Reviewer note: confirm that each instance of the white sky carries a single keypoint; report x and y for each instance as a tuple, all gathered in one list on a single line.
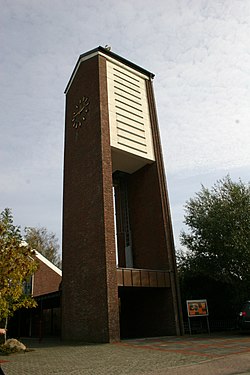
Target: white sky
[(199, 51)]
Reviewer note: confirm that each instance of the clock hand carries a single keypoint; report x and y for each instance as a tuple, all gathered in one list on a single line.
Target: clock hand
[(78, 113)]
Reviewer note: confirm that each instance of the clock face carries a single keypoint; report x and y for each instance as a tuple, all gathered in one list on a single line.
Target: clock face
[(81, 110)]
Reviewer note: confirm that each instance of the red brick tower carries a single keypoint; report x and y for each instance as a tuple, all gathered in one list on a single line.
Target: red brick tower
[(119, 271)]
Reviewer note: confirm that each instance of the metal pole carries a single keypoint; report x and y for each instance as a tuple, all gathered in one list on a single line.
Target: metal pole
[(189, 326), (208, 328)]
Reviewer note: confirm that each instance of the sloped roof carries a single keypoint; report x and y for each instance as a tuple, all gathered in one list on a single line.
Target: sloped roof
[(48, 263), (104, 51)]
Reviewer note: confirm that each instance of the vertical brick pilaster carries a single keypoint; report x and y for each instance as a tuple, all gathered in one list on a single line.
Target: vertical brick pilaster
[(89, 290)]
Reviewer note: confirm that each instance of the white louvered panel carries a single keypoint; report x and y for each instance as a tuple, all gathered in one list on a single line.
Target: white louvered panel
[(134, 130), (126, 74), (128, 111), (132, 147), (126, 91), (133, 137), (121, 120), (126, 85), (128, 103)]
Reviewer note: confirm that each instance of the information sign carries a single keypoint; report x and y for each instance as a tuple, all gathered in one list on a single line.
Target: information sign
[(197, 308)]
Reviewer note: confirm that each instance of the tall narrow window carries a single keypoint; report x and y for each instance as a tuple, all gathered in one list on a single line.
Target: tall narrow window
[(123, 230), (116, 244)]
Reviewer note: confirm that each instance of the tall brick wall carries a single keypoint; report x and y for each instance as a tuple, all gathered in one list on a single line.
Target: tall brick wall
[(89, 291), (146, 218)]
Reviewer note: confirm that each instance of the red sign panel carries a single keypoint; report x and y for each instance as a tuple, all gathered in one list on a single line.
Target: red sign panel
[(197, 308)]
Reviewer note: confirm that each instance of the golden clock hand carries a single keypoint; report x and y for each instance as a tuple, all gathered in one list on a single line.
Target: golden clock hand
[(78, 113)]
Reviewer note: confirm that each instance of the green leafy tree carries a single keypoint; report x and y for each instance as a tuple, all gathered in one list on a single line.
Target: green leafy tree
[(44, 242), (218, 242), (17, 265)]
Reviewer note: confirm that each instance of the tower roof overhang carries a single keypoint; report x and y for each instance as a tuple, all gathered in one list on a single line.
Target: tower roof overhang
[(110, 55)]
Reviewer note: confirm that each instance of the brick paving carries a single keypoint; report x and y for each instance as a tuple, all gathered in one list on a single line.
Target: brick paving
[(215, 354), (210, 346)]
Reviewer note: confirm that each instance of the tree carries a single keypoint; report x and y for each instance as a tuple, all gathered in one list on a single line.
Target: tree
[(17, 265), (44, 242), (218, 240)]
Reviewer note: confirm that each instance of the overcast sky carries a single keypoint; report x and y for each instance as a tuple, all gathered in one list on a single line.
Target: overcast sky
[(199, 51)]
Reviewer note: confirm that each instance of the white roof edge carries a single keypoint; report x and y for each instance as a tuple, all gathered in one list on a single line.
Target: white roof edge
[(124, 66), (48, 263)]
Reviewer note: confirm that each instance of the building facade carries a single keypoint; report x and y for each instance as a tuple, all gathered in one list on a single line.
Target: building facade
[(45, 319), (119, 270)]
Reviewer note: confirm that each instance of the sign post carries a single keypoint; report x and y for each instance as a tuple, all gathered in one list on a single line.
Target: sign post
[(197, 308)]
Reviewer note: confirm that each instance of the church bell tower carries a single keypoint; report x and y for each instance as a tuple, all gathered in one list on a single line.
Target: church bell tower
[(119, 271)]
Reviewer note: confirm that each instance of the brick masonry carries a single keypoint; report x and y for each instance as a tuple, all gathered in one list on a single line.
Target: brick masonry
[(89, 289), (45, 280), (90, 308)]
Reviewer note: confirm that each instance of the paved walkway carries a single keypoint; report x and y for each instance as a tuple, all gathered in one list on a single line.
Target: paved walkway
[(203, 354)]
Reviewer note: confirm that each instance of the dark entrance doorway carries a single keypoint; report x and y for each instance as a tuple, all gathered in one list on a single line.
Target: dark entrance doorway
[(142, 311)]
